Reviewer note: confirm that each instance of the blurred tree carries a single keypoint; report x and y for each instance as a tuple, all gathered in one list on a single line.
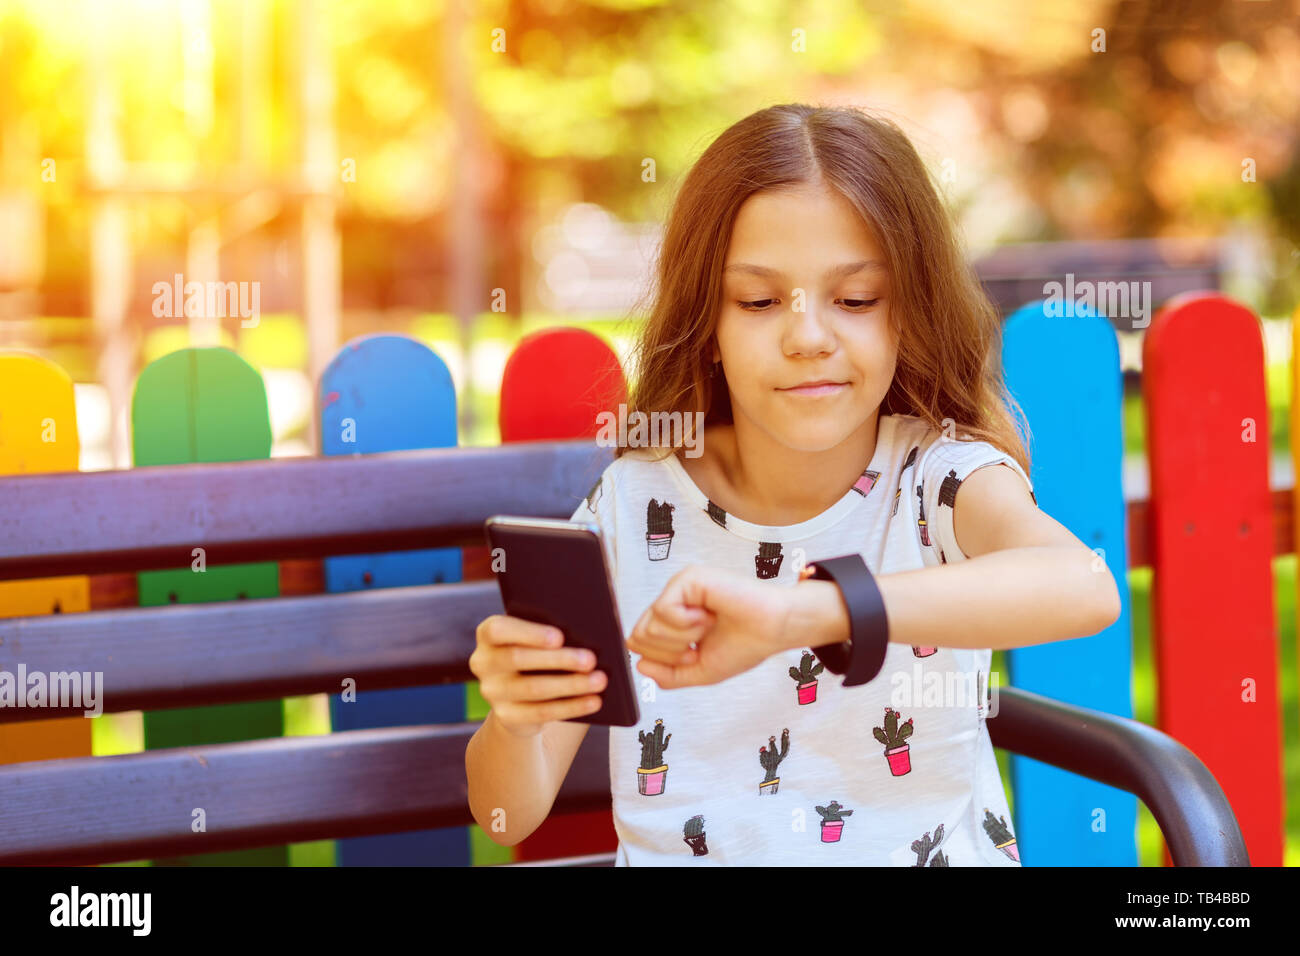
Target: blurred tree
[(579, 98)]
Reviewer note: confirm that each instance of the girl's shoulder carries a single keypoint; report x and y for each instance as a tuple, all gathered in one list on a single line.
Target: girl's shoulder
[(926, 442), (951, 447), (677, 467), (640, 461), (909, 439), (636, 469), (943, 456), (905, 429)]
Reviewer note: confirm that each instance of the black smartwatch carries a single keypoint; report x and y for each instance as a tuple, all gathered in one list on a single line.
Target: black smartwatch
[(860, 658)]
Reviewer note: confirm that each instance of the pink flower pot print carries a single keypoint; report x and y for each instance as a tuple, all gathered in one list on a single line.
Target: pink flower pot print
[(923, 651), (894, 736), (900, 761), (651, 775), (658, 529), (1000, 833), (865, 483), (833, 821), (805, 676), (921, 524), (657, 545), (651, 782)]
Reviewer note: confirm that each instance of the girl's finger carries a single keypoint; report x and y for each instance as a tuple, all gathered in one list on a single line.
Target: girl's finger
[(659, 652), (672, 625), (669, 676), (501, 630), (661, 674), (638, 629), (649, 628), (665, 641), (658, 632), (673, 657), (518, 658), (688, 657), (677, 615)]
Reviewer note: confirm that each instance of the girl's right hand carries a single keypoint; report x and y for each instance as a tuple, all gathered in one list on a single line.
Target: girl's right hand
[(525, 703)]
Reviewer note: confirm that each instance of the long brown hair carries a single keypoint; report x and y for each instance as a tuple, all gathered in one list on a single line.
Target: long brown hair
[(949, 333)]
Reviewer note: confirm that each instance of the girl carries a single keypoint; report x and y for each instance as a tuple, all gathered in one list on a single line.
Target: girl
[(814, 304)]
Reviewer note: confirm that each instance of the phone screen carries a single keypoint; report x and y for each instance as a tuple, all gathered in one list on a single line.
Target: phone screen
[(554, 572)]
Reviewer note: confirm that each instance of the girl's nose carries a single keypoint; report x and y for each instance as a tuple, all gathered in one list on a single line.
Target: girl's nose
[(807, 332)]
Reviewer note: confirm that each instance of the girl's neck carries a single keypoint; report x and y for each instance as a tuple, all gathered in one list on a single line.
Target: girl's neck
[(765, 483)]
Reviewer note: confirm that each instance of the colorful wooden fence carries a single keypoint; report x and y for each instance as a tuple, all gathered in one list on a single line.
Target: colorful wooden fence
[(1209, 531)]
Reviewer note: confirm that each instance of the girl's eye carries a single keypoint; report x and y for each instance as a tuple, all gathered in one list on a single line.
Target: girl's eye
[(758, 305)]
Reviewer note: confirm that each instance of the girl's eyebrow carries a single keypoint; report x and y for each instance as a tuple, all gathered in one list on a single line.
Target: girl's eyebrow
[(836, 272)]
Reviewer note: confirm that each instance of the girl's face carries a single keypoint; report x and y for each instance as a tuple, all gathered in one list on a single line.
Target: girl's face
[(805, 300)]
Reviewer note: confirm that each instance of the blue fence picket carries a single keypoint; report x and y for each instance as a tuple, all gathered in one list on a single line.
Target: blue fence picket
[(1064, 372), (391, 393)]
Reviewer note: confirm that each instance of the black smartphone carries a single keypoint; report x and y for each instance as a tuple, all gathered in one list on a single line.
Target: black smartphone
[(554, 572)]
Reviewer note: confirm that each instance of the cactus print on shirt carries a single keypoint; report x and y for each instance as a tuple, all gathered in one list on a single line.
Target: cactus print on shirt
[(783, 765)]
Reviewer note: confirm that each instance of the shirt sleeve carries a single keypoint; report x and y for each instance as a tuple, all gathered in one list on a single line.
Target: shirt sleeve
[(948, 463), (598, 507)]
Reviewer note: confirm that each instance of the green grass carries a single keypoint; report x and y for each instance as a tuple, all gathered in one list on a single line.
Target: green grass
[(1284, 602)]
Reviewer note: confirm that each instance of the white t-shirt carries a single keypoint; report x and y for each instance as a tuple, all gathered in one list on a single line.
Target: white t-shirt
[(783, 766)]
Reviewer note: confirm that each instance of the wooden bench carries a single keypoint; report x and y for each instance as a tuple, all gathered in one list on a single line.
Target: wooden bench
[(353, 783)]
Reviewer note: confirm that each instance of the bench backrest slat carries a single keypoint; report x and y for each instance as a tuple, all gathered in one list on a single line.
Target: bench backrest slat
[(245, 650), (147, 522), (287, 789), (370, 781), (151, 518)]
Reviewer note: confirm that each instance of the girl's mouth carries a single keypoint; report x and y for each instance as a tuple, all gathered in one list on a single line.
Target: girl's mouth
[(815, 389)]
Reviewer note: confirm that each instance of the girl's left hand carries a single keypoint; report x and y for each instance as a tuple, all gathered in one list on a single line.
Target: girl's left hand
[(733, 622)]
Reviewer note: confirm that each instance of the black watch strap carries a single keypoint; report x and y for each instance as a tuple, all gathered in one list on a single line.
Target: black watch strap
[(860, 658)]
